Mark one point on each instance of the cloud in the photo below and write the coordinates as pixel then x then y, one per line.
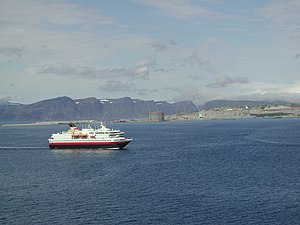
pixel 161 70
pixel 198 97
pixel 63 28
pixel 282 11
pixel 285 15
pixel 66 70
pixel 5 100
pixel 269 91
pixel 58 41
pixel 10 99
pixel 294 87
pixel 161 46
pixel 45 12
pixel 12 52
pixel 225 81
pixel 68 30
pixel 118 86
pixel 146 62
pixel 195 60
pixel 176 88
pixel 141 71
pixel 270 96
pixel 150 65
pixel 70 33
pixel 180 9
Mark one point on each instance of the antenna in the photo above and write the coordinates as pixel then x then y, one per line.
pixel 103 116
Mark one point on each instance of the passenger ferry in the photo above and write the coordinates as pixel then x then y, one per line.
pixel 101 137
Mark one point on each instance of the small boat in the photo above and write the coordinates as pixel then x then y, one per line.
pixel 101 137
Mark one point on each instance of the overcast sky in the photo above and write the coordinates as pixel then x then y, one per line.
pixel 150 49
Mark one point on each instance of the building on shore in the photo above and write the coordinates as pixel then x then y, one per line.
pixel 156 116
pixel 226 113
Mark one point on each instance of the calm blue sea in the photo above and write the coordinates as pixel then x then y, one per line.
pixel 200 172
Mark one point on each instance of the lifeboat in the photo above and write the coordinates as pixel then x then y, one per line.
pixel 79 135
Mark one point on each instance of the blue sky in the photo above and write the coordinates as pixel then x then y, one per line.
pixel 150 49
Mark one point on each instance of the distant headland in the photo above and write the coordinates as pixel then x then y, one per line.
pixel 57 110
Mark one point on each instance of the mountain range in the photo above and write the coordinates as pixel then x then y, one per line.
pixel 65 108
pixel 231 103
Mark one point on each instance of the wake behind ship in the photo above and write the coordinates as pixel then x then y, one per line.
pixel 102 137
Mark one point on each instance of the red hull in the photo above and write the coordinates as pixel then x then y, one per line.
pixel 88 144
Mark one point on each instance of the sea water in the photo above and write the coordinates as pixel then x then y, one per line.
pixel 199 172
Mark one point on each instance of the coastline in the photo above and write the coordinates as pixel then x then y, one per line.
pixel 169 118
pixel 44 123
